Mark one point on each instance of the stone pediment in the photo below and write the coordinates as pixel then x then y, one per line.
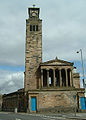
pixel 57 62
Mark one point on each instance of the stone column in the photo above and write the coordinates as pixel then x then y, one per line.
pixel 72 77
pixel 54 77
pixel 47 78
pixel 60 78
pixel 66 78
pixel 42 78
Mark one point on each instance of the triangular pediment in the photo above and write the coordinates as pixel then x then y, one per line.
pixel 57 62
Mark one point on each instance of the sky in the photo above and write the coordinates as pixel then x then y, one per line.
pixel 63 34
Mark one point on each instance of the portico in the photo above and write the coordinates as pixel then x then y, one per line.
pixel 56 73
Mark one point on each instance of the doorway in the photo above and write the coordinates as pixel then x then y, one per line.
pixel 33 104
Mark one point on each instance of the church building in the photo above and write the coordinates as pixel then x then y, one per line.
pixel 49 86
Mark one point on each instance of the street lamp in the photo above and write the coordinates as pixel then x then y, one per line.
pixel 80 51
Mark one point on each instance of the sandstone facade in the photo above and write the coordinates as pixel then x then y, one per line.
pixel 56 100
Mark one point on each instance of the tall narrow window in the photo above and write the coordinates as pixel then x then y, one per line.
pixel 33 27
pixel 30 27
pixel 36 27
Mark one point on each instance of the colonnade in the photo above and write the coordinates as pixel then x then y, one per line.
pixel 56 77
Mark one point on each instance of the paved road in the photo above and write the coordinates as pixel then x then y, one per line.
pixel 12 116
pixel 24 116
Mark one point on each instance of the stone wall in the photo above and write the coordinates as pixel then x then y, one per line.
pixel 59 101
pixel 13 100
pixel 33 54
pixel 56 100
pixel 80 94
pixel 76 80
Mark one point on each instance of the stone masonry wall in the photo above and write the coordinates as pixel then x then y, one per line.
pixel 12 101
pixel 56 101
pixel 76 80
pixel 33 54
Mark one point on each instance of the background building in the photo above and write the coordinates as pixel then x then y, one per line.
pixel 0 102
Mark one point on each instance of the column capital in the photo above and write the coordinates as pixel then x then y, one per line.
pixel 47 70
pixel 59 69
pixel 66 69
pixel 71 69
pixel 53 69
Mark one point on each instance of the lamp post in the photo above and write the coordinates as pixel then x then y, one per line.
pixel 80 51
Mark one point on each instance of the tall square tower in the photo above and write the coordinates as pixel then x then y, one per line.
pixel 33 53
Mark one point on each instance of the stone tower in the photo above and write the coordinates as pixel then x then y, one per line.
pixel 33 53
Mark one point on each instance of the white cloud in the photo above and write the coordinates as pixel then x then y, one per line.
pixel 11 81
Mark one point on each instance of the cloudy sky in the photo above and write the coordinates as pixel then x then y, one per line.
pixel 63 29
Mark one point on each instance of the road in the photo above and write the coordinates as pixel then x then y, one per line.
pixel 13 116
pixel 25 116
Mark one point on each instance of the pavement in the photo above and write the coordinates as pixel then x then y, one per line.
pixel 67 116
pixel 27 116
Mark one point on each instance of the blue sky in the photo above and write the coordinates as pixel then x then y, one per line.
pixel 63 33
pixel 13 68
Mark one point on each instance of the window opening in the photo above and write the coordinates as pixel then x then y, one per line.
pixel 30 27
pixel 33 27
pixel 36 27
